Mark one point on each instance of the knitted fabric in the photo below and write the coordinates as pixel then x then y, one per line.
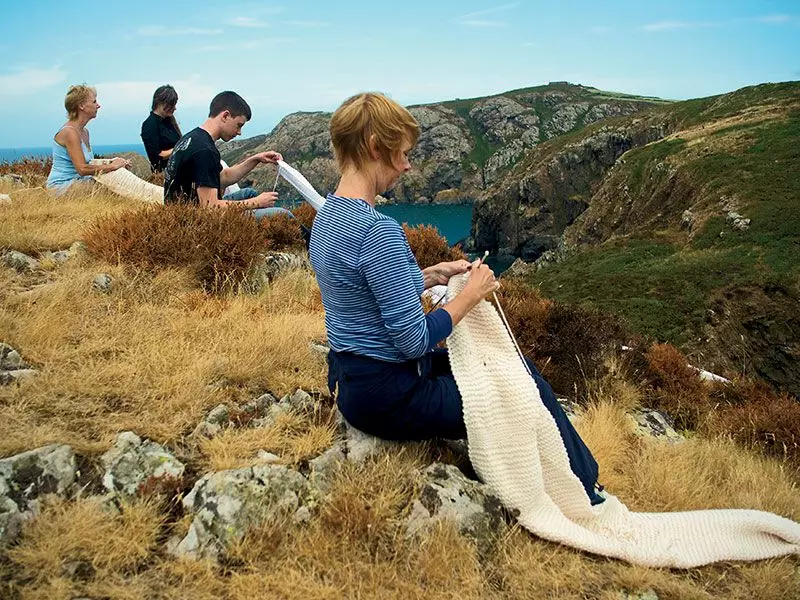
pixel 128 185
pixel 516 449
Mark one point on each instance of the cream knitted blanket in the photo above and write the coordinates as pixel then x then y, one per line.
pixel 128 185
pixel 516 449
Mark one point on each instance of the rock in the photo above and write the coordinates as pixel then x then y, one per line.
pixel 13 179
pixel 648 594
pixel 17 376
pixel 300 401
pixel 213 423
pixel 687 219
pixel 271 265
pixel 519 268
pixel 267 457
pixel 103 283
pixel 447 494
pixel 655 424
pixel 228 503
pixel 77 249
pixel 22 263
pixel 10 358
pixel 324 467
pixel 25 477
pixel 737 221
pixel 5 199
pixel 360 446
pixel 136 467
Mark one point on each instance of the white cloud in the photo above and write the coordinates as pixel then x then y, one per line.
pixel 30 80
pixel 309 24
pixel 776 19
pixel 474 19
pixel 250 22
pixel 135 97
pixel 673 25
pixel 164 31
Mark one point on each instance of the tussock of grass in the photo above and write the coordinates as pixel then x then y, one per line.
pixel 152 356
pixel 292 436
pixel 35 222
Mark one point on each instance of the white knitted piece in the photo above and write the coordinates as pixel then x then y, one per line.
pixel 128 185
pixel 515 448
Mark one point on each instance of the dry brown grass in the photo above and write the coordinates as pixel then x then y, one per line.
pixel 294 437
pixel 153 355
pixel 305 213
pixel 38 221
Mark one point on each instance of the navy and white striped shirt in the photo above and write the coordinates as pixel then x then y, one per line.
pixel 371 284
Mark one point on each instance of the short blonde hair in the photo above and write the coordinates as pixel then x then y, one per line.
pixel 366 115
pixel 77 95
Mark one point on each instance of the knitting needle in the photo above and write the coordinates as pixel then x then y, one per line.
pixel 480 262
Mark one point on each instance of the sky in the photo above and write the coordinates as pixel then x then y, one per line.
pixel 309 55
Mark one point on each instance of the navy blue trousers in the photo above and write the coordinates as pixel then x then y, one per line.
pixel 419 400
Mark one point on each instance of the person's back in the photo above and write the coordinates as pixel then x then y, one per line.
pixel 195 162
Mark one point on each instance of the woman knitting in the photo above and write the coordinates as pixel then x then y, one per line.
pixel 72 150
pixel 392 381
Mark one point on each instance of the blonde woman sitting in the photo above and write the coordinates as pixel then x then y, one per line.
pixel 72 150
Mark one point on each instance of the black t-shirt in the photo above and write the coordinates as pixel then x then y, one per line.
pixel 158 134
pixel 194 163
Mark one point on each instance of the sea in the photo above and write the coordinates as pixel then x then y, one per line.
pixel 452 220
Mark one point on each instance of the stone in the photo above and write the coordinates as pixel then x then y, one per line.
pixel 103 283
pixel 301 401
pixel 737 221
pixel 361 446
pixel 22 263
pixel 324 467
pixel 10 358
pixel 228 503
pixel 27 476
pixel 17 376
pixel 136 467
pixel 447 494
pixel 215 420
pixel 5 199
pixel 655 424
pixel 687 219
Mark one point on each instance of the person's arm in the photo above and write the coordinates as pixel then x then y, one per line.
pixel 389 270
pixel 233 174
pixel 441 273
pixel 209 196
pixel 150 140
pixel 72 142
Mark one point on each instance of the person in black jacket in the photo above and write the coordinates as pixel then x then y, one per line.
pixel 160 131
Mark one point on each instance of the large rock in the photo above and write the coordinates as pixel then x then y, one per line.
pixel 22 263
pixel 27 476
pixel 447 494
pixel 228 503
pixel 136 467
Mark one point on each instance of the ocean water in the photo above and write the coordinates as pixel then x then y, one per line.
pixel 14 154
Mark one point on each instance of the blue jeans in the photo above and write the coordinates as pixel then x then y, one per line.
pixel 419 400
pixel 259 213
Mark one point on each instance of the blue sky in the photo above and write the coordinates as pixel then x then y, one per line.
pixel 310 55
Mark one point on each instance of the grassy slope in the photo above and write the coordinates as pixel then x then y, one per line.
pixel 660 281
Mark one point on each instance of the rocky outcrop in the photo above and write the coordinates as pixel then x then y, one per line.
pixel 526 213
pixel 464 145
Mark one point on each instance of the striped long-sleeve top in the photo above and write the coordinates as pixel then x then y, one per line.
pixel 371 284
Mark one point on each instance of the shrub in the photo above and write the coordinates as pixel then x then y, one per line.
pixel 33 171
pixel 429 247
pixel 305 213
pixel 281 232
pixel 771 423
pixel 675 387
pixel 219 246
pixel 526 312
pixel 578 341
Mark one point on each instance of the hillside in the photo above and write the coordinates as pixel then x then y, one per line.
pixel 465 145
pixel 683 219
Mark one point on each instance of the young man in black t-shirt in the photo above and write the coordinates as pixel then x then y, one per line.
pixel 194 174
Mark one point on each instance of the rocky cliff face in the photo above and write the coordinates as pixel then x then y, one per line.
pixel 527 210
pixel 465 146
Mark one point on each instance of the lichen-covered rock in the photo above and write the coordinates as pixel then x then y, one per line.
pixel 10 359
pixel 447 494
pixel 655 424
pixel 273 264
pixel 503 119
pixel 26 476
pixel 228 503
pixel 22 263
pixel 103 283
pixel 135 467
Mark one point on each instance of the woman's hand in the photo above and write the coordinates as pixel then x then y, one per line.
pixel 118 163
pixel 439 274
pixel 270 156
pixel 481 282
